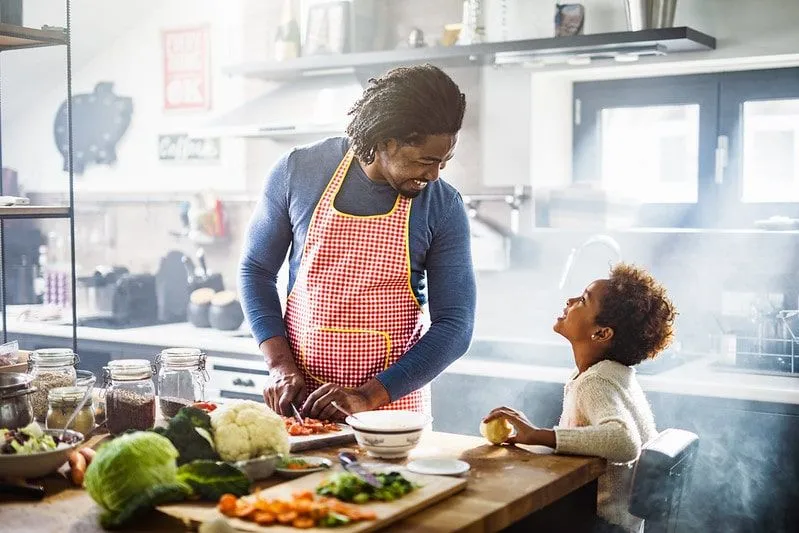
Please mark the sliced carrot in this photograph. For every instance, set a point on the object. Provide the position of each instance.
(245, 510)
(227, 504)
(368, 514)
(287, 518)
(303, 523)
(263, 518)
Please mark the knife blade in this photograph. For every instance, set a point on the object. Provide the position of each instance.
(297, 416)
(351, 464)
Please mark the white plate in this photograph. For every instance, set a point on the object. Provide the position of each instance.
(439, 467)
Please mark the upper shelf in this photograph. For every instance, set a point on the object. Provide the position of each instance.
(13, 37)
(33, 211)
(663, 40)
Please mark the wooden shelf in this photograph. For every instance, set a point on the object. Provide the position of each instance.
(34, 211)
(13, 37)
(669, 40)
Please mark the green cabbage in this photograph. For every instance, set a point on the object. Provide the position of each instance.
(129, 466)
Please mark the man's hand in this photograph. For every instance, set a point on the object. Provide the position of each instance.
(286, 384)
(525, 431)
(319, 404)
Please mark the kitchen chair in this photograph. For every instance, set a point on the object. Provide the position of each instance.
(659, 478)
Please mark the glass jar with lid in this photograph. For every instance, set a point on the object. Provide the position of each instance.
(50, 368)
(129, 395)
(181, 379)
(63, 401)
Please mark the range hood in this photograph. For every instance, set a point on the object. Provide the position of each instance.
(316, 105)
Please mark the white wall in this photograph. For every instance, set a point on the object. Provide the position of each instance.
(130, 56)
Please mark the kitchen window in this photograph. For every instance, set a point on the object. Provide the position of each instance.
(710, 150)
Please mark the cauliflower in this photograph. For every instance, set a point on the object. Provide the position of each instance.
(244, 429)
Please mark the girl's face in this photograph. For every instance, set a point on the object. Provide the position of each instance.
(578, 321)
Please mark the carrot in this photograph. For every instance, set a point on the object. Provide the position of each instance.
(77, 465)
(303, 523)
(287, 518)
(263, 518)
(244, 510)
(88, 453)
(227, 504)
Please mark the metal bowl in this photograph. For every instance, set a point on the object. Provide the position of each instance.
(15, 405)
(37, 465)
(259, 468)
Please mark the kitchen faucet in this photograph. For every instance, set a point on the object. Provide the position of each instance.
(604, 240)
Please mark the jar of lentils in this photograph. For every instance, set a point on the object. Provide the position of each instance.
(50, 368)
(181, 379)
(129, 395)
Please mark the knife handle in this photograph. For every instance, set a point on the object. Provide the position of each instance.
(33, 492)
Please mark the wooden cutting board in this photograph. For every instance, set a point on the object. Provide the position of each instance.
(433, 489)
(313, 442)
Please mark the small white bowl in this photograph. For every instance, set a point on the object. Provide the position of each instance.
(259, 468)
(388, 434)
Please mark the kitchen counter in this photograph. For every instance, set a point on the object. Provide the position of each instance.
(504, 485)
(697, 377)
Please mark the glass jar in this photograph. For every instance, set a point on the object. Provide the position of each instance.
(50, 368)
(181, 379)
(129, 395)
(63, 401)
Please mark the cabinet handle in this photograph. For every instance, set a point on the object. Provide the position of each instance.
(722, 157)
(241, 383)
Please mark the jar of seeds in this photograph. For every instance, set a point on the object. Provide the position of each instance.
(129, 395)
(181, 379)
(50, 368)
(63, 401)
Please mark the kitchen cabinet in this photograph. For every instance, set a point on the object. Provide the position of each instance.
(746, 473)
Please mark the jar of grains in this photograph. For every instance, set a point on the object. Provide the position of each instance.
(129, 395)
(50, 368)
(63, 401)
(181, 379)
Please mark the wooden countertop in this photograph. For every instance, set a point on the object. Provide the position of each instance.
(505, 484)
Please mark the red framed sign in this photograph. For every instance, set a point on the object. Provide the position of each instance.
(187, 79)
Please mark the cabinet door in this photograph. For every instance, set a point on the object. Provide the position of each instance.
(759, 120)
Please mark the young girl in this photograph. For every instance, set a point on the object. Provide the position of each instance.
(613, 325)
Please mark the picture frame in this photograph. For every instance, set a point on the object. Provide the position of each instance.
(327, 28)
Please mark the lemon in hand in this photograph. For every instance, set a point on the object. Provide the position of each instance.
(496, 431)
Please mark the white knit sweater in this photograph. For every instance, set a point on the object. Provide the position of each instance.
(606, 414)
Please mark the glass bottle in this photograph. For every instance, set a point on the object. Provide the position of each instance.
(62, 402)
(50, 368)
(181, 379)
(129, 395)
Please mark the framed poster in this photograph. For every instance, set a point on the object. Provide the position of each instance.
(187, 79)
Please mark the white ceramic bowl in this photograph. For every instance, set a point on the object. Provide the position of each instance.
(37, 465)
(388, 434)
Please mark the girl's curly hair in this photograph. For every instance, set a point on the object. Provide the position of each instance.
(406, 104)
(640, 312)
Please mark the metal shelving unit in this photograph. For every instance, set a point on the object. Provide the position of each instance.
(17, 38)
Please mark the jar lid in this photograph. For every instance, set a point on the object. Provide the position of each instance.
(52, 357)
(181, 357)
(66, 395)
(130, 369)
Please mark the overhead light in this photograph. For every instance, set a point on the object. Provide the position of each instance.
(579, 56)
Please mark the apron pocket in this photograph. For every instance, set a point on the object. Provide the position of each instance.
(344, 356)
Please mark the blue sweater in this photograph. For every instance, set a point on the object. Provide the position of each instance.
(441, 265)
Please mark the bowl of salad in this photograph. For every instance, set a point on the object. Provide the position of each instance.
(32, 452)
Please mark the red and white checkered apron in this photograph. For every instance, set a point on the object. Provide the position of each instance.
(352, 313)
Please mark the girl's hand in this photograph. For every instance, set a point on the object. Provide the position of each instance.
(525, 431)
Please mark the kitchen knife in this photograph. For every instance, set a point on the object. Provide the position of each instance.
(351, 464)
(22, 490)
(201, 259)
(297, 416)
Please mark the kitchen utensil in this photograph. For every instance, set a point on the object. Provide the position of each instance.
(439, 467)
(321, 463)
(23, 490)
(37, 465)
(81, 403)
(16, 410)
(351, 464)
(297, 416)
(343, 437)
(225, 313)
(344, 411)
(172, 288)
(259, 468)
(201, 259)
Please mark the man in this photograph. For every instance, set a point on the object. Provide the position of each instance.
(372, 234)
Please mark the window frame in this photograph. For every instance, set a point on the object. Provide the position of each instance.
(720, 97)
